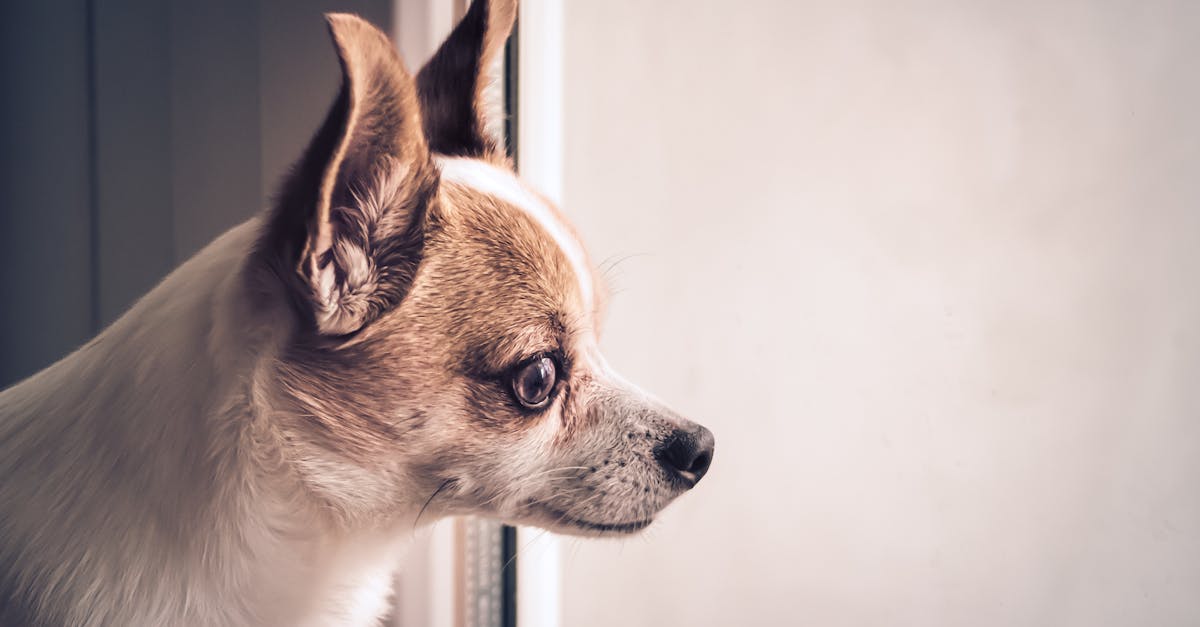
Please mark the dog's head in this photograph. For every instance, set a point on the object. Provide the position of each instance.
(445, 351)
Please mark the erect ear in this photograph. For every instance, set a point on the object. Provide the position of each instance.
(461, 118)
(348, 229)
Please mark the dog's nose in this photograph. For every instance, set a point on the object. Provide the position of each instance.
(687, 453)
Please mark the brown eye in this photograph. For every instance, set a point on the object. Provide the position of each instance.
(534, 381)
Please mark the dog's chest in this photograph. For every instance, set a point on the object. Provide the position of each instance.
(347, 583)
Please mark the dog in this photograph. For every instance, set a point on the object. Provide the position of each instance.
(408, 332)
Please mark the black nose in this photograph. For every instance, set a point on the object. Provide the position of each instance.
(686, 454)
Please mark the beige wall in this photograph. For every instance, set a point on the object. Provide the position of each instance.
(929, 271)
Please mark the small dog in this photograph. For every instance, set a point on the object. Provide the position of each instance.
(409, 332)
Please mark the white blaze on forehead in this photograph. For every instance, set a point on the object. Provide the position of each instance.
(503, 184)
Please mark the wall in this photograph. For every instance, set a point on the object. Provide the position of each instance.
(133, 134)
(45, 185)
(929, 272)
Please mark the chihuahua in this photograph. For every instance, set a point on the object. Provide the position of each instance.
(408, 332)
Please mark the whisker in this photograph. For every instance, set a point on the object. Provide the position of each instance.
(546, 499)
(521, 549)
(546, 472)
(544, 481)
(543, 476)
(430, 500)
(614, 263)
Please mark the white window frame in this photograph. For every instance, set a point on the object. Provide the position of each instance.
(540, 146)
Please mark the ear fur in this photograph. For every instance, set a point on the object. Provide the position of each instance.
(460, 118)
(347, 231)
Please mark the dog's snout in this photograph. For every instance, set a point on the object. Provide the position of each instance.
(687, 454)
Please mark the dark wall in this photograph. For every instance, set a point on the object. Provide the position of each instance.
(131, 134)
(45, 184)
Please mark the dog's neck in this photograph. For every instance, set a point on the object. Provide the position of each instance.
(156, 435)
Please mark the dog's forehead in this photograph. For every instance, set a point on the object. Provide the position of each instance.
(495, 183)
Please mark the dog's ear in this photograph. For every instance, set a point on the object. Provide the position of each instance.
(348, 228)
(461, 119)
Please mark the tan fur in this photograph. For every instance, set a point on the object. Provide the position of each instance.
(254, 441)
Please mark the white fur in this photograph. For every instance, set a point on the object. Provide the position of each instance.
(139, 484)
(503, 184)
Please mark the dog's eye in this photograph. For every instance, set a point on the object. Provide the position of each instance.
(534, 381)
